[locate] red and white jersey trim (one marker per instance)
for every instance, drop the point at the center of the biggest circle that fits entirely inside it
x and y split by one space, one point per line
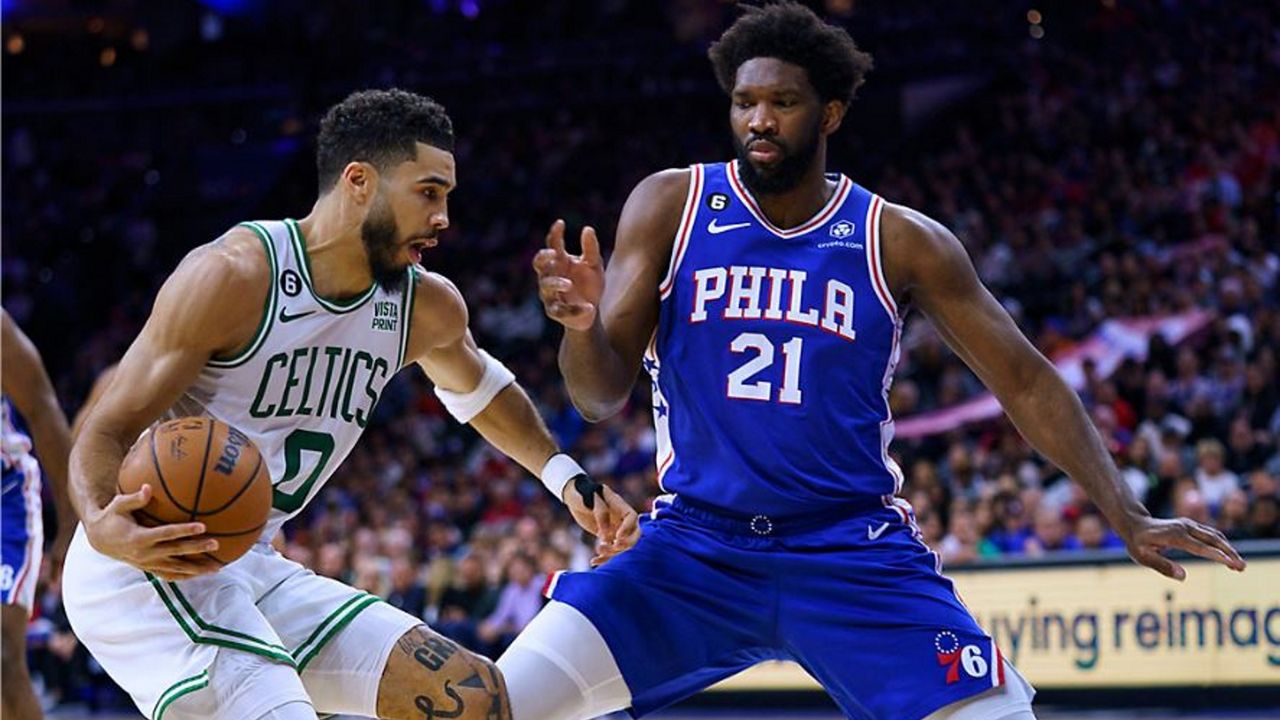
23 590
688 217
826 213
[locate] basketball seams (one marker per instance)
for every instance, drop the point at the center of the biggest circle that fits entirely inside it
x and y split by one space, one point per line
247 483
235 533
155 460
240 514
204 470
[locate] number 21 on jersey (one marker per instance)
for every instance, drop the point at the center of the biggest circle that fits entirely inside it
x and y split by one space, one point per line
741 387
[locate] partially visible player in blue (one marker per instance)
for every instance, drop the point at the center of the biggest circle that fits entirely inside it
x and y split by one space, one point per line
764 297
30 411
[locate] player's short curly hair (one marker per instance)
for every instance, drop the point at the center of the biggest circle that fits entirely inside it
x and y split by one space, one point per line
792 33
379 127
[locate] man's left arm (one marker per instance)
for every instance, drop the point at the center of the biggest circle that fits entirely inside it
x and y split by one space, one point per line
927 264
27 384
479 390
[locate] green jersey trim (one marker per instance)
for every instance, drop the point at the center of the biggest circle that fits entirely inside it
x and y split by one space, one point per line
330 626
334 306
177 690
205 633
406 313
268 309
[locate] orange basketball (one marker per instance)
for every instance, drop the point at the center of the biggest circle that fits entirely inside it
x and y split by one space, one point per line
201 469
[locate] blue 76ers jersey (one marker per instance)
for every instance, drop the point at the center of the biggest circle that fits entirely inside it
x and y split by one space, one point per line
774 353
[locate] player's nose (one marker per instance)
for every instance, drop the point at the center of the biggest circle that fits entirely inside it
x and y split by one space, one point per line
762 121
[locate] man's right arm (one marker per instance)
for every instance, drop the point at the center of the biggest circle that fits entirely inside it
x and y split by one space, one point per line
210 305
600 361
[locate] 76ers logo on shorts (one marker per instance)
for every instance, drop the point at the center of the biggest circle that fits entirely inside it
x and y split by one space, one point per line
954 657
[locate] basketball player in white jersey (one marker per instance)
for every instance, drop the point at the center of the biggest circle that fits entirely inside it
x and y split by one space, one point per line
288 331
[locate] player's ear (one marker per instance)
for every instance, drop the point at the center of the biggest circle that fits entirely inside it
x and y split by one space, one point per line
832 115
360 180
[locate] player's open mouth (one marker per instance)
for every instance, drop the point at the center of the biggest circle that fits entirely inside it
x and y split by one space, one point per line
418 247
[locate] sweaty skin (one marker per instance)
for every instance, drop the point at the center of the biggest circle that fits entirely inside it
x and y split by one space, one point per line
610 315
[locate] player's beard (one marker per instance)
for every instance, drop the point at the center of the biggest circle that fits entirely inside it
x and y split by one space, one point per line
381 238
787 172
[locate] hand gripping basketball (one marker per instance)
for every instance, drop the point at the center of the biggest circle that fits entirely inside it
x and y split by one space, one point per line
173 552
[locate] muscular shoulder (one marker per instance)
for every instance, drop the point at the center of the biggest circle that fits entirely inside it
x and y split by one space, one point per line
666 188
657 200
650 219
439 313
918 250
218 291
235 263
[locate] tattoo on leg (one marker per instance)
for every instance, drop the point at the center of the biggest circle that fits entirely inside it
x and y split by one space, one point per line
428 707
434 653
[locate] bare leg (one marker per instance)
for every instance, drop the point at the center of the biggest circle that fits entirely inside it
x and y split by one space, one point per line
19 698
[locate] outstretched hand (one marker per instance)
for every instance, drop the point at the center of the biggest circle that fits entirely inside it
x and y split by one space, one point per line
570 285
1148 536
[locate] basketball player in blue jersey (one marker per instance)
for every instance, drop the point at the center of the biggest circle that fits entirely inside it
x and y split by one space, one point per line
764 298
30 413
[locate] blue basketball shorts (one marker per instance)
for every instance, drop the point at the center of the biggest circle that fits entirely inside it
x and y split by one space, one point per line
857 600
21 532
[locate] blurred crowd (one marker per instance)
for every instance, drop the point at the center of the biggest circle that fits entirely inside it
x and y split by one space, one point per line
1124 161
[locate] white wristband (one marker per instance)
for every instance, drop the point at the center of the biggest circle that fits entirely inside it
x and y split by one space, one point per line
558 471
465 406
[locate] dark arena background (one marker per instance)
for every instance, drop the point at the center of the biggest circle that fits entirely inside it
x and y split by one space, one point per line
1111 166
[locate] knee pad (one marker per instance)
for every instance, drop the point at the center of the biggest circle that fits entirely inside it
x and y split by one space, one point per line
561 667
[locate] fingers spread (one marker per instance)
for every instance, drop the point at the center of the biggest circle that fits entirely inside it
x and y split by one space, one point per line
1214 538
547 261
123 504
1160 564
192 546
168 533
554 285
591 247
555 236
1184 540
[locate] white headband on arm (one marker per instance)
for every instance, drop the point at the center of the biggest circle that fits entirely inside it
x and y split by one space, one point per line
465 406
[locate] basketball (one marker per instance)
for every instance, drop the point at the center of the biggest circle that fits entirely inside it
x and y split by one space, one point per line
201 469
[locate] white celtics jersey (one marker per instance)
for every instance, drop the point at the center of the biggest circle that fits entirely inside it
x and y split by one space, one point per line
304 389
